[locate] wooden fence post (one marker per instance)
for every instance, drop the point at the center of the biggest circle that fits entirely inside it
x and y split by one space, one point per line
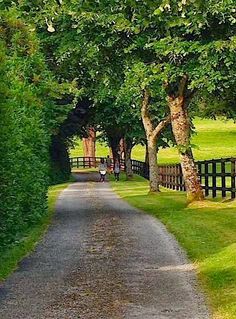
233 178
206 173
223 181
214 180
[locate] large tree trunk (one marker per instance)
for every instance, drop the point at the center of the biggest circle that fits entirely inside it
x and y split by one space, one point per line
153 168
181 129
146 153
152 134
128 145
89 145
114 142
122 148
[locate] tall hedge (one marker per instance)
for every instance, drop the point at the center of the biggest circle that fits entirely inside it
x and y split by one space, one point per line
24 135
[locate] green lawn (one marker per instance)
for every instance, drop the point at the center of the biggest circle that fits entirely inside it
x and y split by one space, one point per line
9 259
101 149
207 233
214 139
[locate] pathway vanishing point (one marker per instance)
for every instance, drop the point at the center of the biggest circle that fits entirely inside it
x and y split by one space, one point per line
102 259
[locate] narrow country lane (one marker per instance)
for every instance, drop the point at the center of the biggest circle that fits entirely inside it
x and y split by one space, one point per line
102 259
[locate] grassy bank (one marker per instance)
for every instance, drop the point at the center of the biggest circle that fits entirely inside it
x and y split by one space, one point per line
207 233
213 139
10 258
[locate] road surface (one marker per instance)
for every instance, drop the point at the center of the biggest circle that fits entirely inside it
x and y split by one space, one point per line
102 259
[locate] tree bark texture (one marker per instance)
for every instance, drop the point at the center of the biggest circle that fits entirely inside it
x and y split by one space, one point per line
153 168
122 148
180 122
146 154
152 134
89 145
128 145
114 143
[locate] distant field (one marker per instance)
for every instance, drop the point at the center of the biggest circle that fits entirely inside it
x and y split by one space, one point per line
214 139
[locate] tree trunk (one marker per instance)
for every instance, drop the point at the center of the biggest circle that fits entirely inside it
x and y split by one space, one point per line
115 147
181 129
122 148
89 145
153 168
152 135
128 165
146 153
110 152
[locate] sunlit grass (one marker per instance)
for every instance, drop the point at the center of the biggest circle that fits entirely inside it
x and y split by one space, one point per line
214 139
207 232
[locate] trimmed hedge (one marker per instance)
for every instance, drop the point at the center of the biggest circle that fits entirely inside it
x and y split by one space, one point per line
24 135
34 127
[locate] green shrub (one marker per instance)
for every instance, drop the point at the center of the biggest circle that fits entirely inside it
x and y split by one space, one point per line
24 135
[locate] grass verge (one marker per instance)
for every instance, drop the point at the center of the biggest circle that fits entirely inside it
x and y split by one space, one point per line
207 232
9 259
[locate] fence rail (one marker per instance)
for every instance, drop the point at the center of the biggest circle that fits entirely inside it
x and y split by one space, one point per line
217 177
89 162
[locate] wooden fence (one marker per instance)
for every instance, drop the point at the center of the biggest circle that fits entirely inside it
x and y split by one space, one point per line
217 177
89 162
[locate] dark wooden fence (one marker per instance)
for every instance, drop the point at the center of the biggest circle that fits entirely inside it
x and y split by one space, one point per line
217 177
89 162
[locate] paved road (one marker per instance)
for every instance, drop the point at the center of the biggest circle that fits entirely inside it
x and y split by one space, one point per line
102 259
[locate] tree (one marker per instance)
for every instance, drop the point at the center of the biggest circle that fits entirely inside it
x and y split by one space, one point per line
194 56
111 52
181 41
152 134
89 142
186 46
119 123
144 92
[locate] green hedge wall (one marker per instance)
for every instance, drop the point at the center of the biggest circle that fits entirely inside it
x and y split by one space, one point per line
24 135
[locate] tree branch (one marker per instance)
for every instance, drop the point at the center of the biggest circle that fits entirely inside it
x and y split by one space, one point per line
158 129
144 112
183 85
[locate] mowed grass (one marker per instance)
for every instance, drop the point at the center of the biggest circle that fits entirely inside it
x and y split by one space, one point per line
101 149
9 259
207 233
213 139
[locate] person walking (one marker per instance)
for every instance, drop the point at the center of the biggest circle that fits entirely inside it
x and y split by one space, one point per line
102 170
117 170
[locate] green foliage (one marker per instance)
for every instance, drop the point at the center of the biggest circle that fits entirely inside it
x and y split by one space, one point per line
105 52
10 258
25 131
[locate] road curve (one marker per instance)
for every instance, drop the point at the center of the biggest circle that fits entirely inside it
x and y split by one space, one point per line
102 259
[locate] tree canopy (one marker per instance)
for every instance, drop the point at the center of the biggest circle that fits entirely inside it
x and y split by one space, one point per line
137 70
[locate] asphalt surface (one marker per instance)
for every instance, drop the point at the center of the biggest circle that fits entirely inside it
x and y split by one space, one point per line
102 259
